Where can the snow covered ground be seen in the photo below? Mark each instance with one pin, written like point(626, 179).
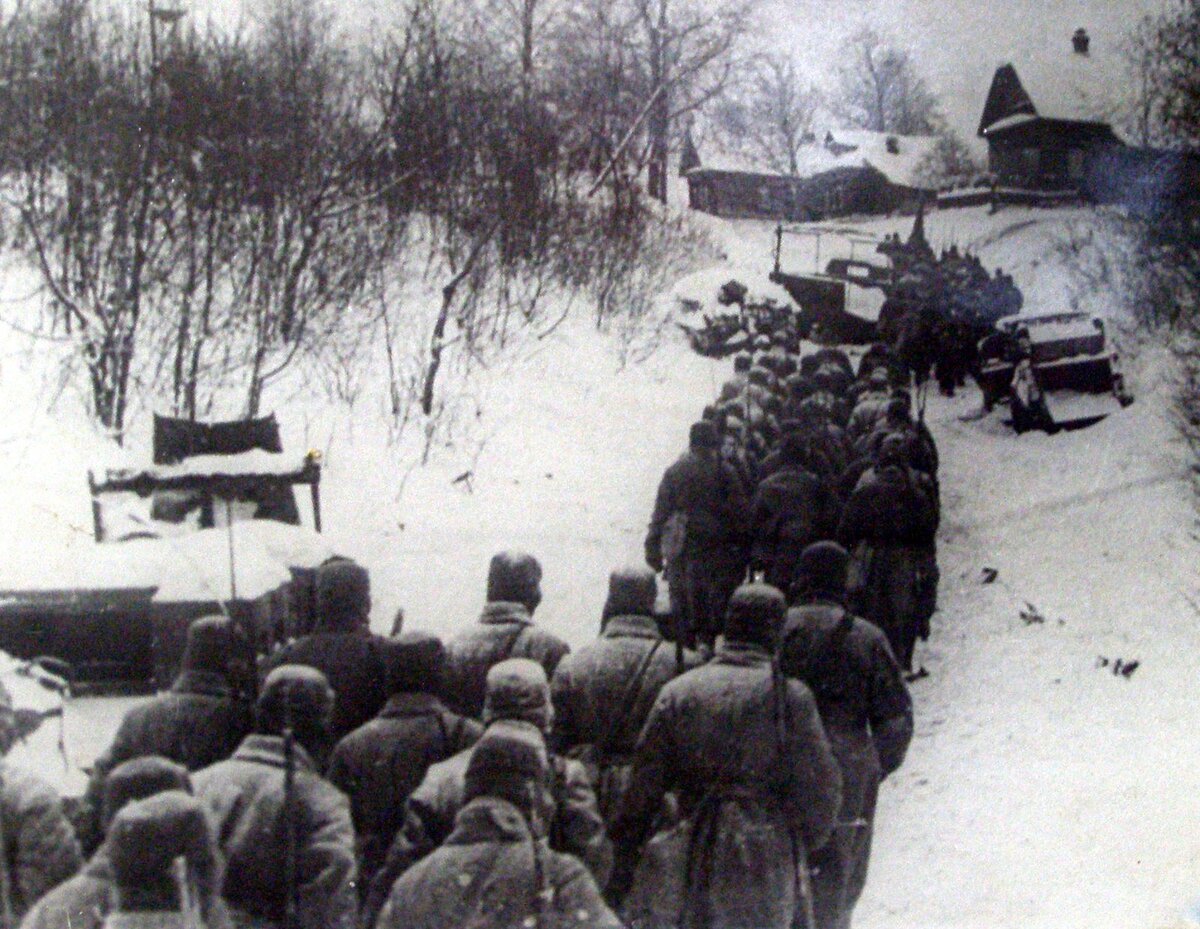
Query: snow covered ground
point(1042, 789)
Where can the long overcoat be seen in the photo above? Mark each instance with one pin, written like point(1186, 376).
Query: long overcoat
point(867, 712)
point(709, 494)
point(493, 873)
point(505, 630)
point(198, 722)
point(39, 850)
point(792, 509)
point(246, 801)
point(80, 902)
point(889, 524)
point(351, 661)
point(379, 764)
point(759, 790)
point(568, 807)
point(602, 695)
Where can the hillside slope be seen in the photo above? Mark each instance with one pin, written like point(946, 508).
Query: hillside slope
point(1041, 789)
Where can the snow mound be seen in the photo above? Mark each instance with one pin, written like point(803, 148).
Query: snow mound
point(28, 686)
point(197, 568)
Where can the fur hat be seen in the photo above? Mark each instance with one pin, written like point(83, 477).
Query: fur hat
point(294, 695)
point(210, 644)
point(514, 577)
point(759, 376)
point(632, 591)
point(702, 435)
point(893, 449)
point(821, 569)
point(146, 837)
point(755, 614)
point(343, 595)
point(505, 762)
point(518, 689)
point(137, 779)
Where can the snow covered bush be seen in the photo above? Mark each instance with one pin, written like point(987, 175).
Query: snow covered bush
point(219, 217)
point(1143, 273)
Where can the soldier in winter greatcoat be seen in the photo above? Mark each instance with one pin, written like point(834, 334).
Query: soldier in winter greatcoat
point(698, 535)
point(865, 707)
point(199, 722)
point(733, 388)
point(758, 788)
point(922, 451)
point(518, 701)
point(792, 509)
point(603, 693)
point(245, 797)
point(379, 764)
point(341, 646)
point(890, 523)
point(86, 899)
point(495, 870)
point(871, 406)
point(505, 630)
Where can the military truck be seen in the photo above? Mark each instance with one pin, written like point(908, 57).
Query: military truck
point(211, 526)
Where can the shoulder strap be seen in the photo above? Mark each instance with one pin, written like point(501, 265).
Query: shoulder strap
point(628, 698)
point(819, 659)
point(780, 707)
point(444, 732)
point(511, 644)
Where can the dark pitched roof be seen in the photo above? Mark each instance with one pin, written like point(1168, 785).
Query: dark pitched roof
point(1070, 87)
point(1007, 97)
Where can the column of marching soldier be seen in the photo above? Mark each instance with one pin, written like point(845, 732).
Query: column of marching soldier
point(716, 766)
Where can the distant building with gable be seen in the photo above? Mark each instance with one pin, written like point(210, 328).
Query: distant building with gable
point(847, 172)
point(1049, 128)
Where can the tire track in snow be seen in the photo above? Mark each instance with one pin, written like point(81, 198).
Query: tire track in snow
point(1070, 501)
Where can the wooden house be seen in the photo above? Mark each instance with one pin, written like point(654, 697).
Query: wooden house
point(845, 173)
point(1048, 128)
point(1045, 123)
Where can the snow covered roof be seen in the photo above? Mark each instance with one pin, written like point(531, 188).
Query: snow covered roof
point(1008, 122)
point(245, 464)
point(1075, 87)
point(1058, 84)
point(896, 157)
point(714, 157)
point(28, 685)
point(841, 148)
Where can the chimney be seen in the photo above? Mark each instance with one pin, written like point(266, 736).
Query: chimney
point(1080, 41)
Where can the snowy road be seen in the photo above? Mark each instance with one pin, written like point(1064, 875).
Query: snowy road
point(1042, 789)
